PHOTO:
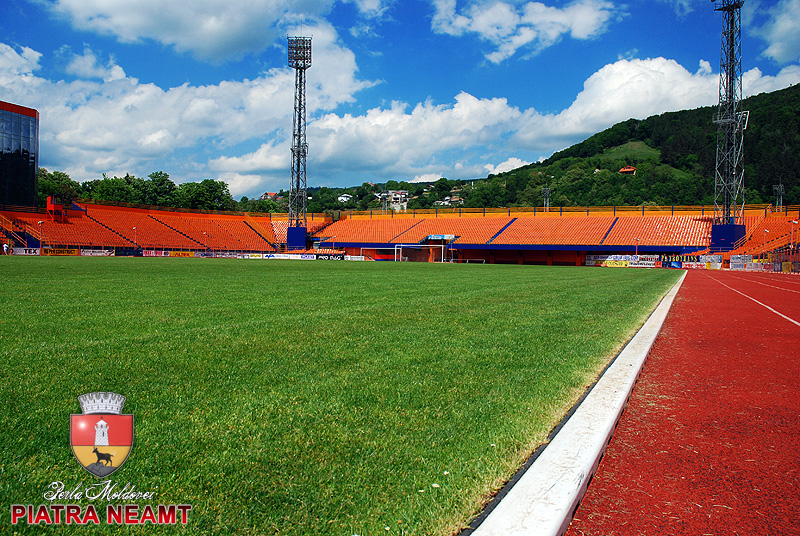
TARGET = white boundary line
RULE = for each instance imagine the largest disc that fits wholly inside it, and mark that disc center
(544, 499)
(765, 306)
(766, 285)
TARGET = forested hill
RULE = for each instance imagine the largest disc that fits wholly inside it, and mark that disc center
(674, 154)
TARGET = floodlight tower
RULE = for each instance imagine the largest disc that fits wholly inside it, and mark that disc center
(299, 60)
(546, 196)
(778, 190)
(384, 200)
(731, 121)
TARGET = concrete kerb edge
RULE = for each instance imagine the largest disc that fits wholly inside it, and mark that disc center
(544, 498)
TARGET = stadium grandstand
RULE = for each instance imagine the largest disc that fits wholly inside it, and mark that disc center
(775, 234)
(561, 236)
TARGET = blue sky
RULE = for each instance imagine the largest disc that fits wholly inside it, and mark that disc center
(403, 90)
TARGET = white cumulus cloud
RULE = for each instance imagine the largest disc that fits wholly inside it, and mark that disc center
(214, 30)
(427, 177)
(400, 140)
(107, 122)
(511, 26)
(17, 66)
(269, 158)
(87, 65)
(780, 30)
(636, 89)
(371, 8)
(239, 184)
(508, 165)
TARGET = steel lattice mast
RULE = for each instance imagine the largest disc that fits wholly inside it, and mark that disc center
(299, 60)
(731, 121)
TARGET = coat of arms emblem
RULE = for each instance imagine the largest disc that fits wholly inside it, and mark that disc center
(102, 437)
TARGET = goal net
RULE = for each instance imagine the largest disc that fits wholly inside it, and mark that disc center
(420, 253)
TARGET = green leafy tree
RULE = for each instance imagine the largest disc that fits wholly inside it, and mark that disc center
(256, 205)
(206, 195)
(58, 184)
(120, 189)
(159, 190)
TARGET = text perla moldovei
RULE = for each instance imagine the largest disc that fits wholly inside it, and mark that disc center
(101, 491)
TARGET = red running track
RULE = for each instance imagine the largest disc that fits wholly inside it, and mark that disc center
(709, 442)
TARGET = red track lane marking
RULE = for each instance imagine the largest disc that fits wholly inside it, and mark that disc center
(795, 322)
(766, 285)
(787, 278)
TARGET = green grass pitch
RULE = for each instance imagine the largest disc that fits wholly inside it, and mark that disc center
(287, 397)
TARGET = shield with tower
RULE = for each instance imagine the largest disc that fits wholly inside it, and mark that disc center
(102, 437)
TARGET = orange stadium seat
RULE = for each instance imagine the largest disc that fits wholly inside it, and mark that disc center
(769, 234)
(174, 230)
(236, 234)
(588, 230)
(262, 227)
(367, 231)
(217, 231)
(75, 231)
(141, 227)
(128, 227)
(467, 230)
(660, 231)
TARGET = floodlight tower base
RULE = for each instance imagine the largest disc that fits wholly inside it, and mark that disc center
(295, 238)
(725, 236)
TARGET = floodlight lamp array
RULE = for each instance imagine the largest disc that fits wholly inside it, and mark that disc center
(299, 52)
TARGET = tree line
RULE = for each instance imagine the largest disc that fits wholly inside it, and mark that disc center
(157, 189)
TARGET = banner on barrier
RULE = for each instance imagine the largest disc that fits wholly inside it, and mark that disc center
(622, 261)
(97, 253)
(755, 266)
(25, 251)
(56, 252)
(681, 258)
(643, 263)
(155, 253)
(181, 253)
(306, 257)
(711, 258)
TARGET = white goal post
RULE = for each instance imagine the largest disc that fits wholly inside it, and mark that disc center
(421, 253)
